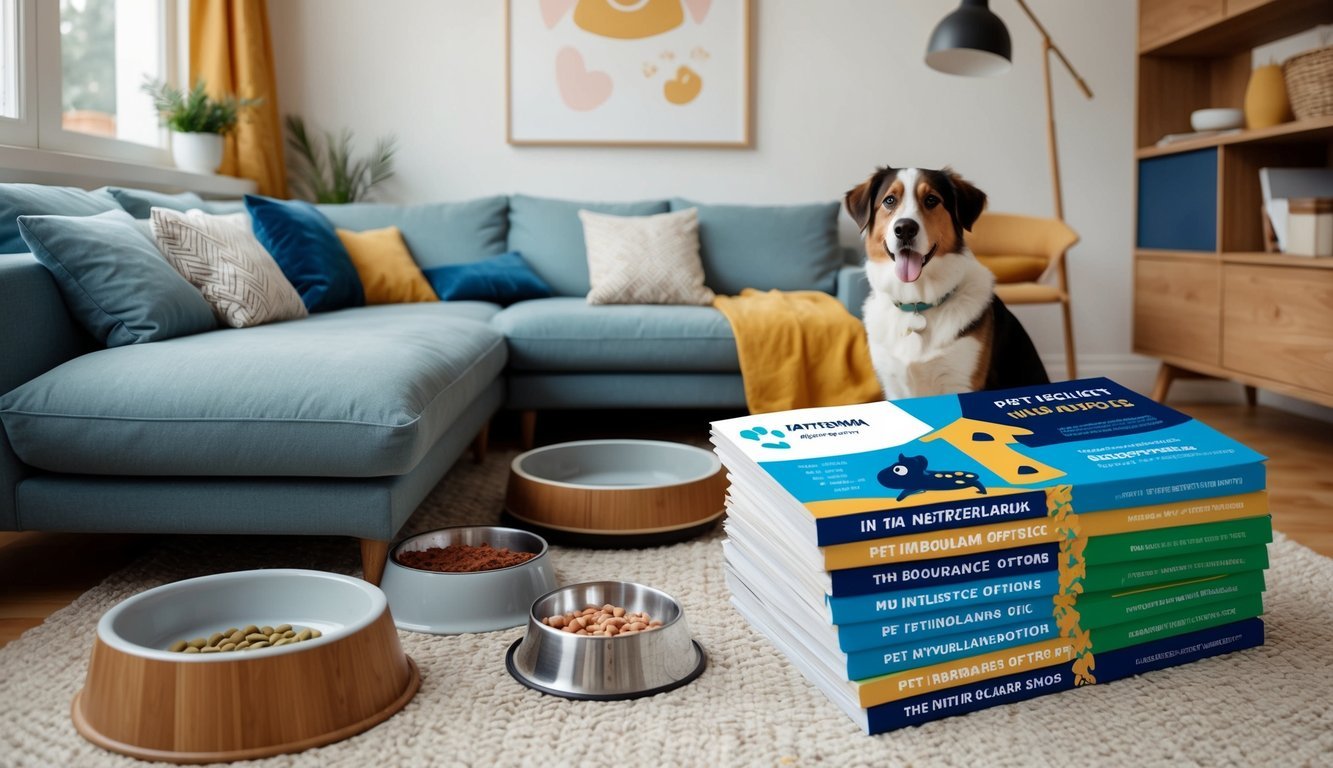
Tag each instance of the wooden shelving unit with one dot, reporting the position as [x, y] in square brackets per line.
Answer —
[1207, 300]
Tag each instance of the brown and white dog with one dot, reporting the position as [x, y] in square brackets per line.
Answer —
[932, 319]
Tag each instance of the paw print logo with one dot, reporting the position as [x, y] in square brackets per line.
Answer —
[774, 438]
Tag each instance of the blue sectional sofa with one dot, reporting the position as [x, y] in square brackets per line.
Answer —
[342, 422]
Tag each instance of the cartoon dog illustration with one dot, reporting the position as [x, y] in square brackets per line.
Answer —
[911, 476]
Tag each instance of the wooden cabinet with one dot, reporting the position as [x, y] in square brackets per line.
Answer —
[1278, 324]
[1207, 301]
[1177, 308]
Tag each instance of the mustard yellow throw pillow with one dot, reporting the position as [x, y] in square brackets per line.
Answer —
[385, 266]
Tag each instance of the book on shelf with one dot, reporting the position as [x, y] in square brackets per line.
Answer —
[847, 474]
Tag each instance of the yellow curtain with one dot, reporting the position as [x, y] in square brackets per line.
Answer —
[231, 50]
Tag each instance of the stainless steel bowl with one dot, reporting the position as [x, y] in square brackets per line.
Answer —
[606, 668]
[476, 601]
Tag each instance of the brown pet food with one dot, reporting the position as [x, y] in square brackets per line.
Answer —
[462, 558]
[607, 621]
[248, 639]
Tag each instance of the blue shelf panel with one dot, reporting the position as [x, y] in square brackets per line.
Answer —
[1177, 203]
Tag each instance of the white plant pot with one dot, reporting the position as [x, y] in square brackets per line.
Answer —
[197, 152]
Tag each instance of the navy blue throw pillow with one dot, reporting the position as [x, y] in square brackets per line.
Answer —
[309, 252]
[503, 279]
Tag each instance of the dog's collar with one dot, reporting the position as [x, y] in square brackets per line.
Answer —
[921, 306]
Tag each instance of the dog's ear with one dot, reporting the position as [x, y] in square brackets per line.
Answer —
[969, 201]
[860, 200]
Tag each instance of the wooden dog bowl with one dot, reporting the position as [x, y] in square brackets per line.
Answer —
[149, 703]
[616, 492]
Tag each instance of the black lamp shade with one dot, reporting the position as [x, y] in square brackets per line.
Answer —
[970, 41]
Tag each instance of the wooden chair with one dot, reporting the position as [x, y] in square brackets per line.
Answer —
[1027, 255]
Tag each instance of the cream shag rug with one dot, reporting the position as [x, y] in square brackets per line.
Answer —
[1264, 707]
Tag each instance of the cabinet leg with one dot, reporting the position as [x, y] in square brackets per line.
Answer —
[1251, 396]
[1165, 375]
[528, 429]
[374, 554]
[480, 443]
[1071, 362]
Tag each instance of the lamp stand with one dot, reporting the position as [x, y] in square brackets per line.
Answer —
[1048, 47]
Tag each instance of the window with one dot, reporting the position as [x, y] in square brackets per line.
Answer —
[107, 49]
[9, 59]
[72, 71]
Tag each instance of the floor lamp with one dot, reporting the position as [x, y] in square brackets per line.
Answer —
[973, 41]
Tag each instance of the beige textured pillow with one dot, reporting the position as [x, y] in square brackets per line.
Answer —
[645, 259]
[219, 255]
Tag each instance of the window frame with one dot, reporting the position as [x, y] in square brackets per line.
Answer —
[22, 129]
[49, 85]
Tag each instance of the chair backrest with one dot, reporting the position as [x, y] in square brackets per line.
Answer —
[1019, 248]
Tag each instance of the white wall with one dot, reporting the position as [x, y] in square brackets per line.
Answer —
[841, 87]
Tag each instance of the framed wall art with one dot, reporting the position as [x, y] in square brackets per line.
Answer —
[629, 72]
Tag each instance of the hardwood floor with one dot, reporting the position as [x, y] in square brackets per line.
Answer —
[43, 572]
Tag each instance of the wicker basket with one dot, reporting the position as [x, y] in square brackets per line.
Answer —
[1310, 83]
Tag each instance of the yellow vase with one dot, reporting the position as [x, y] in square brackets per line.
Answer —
[1266, 102]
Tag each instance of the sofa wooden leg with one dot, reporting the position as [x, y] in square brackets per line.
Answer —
[374, 554]
[1251, 396]
[528, 429]
[480, 443]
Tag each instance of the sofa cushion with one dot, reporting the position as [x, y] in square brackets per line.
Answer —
[220, 257]
[114, 280]
[550, 236]
[357, 393]
[309, 252]
[386, 269]
[435, 233]
[566, 334]
[787, 247]
[504, 279]
[40, 200]
[139, 203]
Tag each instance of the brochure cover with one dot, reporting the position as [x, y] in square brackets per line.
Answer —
[875, 470]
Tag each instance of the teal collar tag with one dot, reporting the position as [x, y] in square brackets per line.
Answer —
[922, 306]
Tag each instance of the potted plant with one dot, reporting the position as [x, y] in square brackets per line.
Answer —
[325, 171]
[197, 122]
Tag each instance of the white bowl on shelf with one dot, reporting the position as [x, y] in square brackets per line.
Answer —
[1216, 119]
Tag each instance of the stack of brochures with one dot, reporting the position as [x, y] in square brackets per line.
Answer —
[930, 557]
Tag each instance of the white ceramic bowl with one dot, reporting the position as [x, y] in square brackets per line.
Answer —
[1216, 119]
[477, 601]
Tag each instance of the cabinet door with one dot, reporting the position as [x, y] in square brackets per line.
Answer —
[1279, 324]
[1177, 308]
[1161, 19]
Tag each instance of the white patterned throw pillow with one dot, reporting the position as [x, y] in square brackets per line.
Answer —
[219, 255]
[644, 259]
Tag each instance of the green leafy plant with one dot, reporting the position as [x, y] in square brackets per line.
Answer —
[194, 111]
[323, 169]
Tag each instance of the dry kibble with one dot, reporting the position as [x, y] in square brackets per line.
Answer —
[606, 621]
[249, 638]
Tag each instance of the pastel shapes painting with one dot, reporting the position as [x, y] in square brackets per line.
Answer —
[628, 19]
[554, 10]
[582, 90]
[684, 87]
[698, 9]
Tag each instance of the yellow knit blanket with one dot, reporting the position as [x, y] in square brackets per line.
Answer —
[799, 349]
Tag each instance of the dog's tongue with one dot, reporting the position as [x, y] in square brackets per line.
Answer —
[908, 266]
